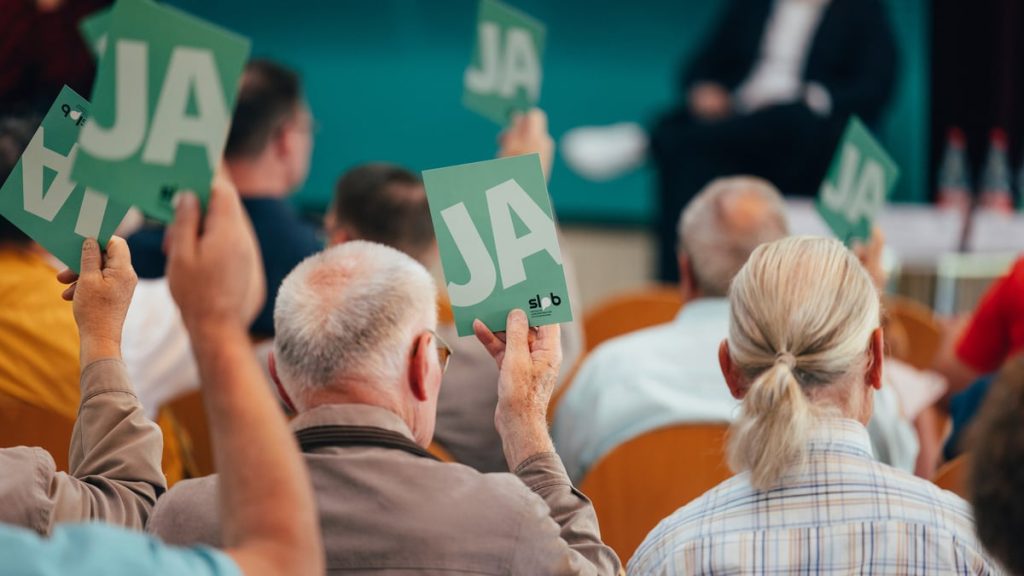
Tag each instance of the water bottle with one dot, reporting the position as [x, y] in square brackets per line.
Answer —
[954, 174]
[996, 190]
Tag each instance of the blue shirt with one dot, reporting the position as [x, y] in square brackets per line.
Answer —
[101, 549]
[285, 240]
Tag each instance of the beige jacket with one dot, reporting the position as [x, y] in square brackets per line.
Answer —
[385, 511]
[114, 462]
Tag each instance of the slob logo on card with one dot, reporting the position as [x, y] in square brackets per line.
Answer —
[544, 302]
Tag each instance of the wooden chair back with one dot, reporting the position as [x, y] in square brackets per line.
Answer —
[916, 332]
[649, 477]
[630, 312]
[952, 476]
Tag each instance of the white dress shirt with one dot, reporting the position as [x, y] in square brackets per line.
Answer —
[843, 513]
[669, 374]
[777, 76]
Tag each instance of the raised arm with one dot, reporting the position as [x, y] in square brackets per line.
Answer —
[528, 363]
[115, 453]
[268, 516]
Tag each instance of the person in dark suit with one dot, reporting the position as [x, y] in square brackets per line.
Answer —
[769, 95]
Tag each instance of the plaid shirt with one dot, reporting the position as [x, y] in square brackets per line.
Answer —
[843, 513]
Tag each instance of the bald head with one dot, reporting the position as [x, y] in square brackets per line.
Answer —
[347, 317]
[722, 226]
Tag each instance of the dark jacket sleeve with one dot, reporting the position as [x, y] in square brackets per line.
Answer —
[865, 88]
[724, 57]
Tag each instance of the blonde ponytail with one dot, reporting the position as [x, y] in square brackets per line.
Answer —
[771, 433]
[802, 311]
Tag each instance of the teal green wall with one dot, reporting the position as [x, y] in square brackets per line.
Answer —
[384, 79]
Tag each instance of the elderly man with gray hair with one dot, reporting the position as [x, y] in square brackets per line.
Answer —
[667, 374]
[357, 356]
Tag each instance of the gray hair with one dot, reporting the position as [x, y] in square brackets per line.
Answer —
[723, 224]
[802, 311]
[350, 312]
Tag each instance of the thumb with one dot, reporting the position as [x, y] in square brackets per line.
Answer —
[516, 333]
[91, 257]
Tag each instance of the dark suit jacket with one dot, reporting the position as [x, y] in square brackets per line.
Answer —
[853, 53]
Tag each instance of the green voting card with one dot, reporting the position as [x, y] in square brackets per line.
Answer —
[41, 199]
[860, 178]
[499, 248]
[505, 74]
[162, 104]
[94, 31]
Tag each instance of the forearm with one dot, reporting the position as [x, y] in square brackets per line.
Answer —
[523, 440]
[544, 474]
[255, 453]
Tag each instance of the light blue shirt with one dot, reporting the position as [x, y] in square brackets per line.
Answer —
[644, 380]
[100, 549]
[669, 374]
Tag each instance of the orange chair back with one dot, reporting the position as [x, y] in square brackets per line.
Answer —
[644, 480]
[26, 425]
[190, 415]
[441, 452]
[952, 476]
[914, 332]
[630, 312]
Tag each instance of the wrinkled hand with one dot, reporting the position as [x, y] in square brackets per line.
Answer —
[215, 275]
[870, 256]
[710, 101]
[528, 134]
[101, 294]
[527, 374]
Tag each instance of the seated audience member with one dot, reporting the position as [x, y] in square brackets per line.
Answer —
[115, 449]
[357, 355]
[39, 345]
[668, 374]
[388, 204]
[804, 354]
[269, 522]
[994, 333]
[769, 94]
[996, 479]
[267, 157]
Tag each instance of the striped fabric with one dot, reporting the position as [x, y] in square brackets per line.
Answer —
[843, 513]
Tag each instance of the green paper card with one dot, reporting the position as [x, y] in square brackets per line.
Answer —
[860, 178]
[162, 104]
[499, 247]
[40, 198]
[505, 73]
[94, 31]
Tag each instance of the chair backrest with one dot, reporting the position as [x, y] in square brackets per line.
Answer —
[920, 332]
[26, 425]
[190, 414]
[441, 452]
[952, 476]
[629, 312]
[644, 480]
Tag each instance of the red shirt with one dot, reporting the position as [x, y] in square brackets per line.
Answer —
[996, 332]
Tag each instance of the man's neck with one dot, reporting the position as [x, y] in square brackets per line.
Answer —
[255, 179]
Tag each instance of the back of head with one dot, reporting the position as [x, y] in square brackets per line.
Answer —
[387, 204]
[723, 224]
[15, 134]
[997, 478]
[348, 315]
[802, 314]
[269, 95]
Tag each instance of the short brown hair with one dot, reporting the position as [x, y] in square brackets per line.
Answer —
[387, 204]
[997, 467]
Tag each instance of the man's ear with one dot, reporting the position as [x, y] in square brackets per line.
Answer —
[733, 379]
[339, 235]
[272, 365]
[876, 349]
[419, 368]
